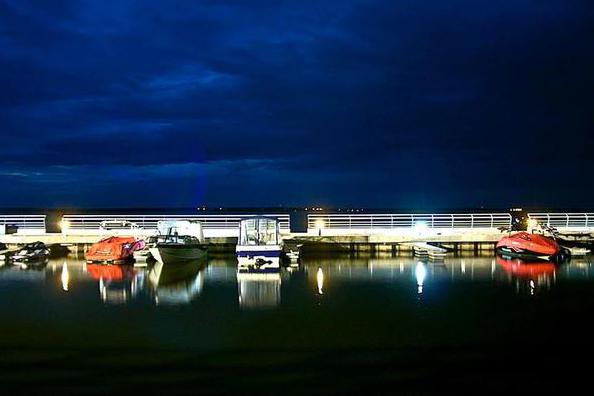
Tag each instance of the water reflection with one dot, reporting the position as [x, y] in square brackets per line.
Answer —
[115, 282]
[529, 276]
[259, 290]
[182, 284]
[420, 273]
[177, 283]
[320, 281]
[65, 277]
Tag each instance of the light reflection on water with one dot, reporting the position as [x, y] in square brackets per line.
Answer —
[182, 284]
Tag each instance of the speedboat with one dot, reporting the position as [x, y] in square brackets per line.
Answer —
[531, 246]
[114, 250]
[178, 241]
[36, 251]
[260, 246]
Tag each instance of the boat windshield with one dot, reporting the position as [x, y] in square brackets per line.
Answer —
[259, 231]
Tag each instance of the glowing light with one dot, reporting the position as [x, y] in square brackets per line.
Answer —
[65, 277]
[532, 224]
[532, 287]
[420, 227]
[320, 224]
[420, 273]
[64, 226]
[320, 279]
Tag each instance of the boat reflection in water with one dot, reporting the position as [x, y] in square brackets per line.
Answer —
[259, 290]
[177, 283]
[529, 276]
[117, 283]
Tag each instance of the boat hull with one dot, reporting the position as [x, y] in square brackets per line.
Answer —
[525, 245]
[258, 259]
[178, 253]
[113, 250]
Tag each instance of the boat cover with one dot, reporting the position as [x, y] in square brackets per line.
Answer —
[114, 248]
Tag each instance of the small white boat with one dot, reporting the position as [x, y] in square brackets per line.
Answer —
[178, 241]
[36, 251]
[259, 247]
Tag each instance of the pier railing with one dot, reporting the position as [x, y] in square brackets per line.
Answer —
[380, 223]
[212, 225]
[568, 221]
[25, 224]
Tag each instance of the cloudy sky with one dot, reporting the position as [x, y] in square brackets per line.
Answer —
[405, 104]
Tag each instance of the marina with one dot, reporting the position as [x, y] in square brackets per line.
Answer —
[204, 317]
[373, 232]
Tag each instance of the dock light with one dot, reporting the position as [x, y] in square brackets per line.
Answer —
[532, 224]
[420, 273]
[64, 226]
[65, 277]
[320, 279]
[320, 226]
[420, 226]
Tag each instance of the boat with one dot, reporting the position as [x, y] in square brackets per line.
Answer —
[32, 252]
[531, 246]
[259, 246]
[114, 250]
[178, 241]
[3, 252]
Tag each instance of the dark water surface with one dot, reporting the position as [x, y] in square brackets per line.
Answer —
[332, 325]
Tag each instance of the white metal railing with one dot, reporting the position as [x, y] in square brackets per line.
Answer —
[564, 220]
[24, 223]
[399, 221]
[149, 222]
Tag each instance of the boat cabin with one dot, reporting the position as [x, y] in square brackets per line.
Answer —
[178, 229]
[259, 231]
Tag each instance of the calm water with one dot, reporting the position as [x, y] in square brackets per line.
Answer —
[326, 316]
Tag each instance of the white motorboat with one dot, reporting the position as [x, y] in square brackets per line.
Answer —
[178, 241]
[259, 246]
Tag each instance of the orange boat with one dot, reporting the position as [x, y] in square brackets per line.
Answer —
[113, 250]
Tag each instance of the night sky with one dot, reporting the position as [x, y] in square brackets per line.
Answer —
[404, 104]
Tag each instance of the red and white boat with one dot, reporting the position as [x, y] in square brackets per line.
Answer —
[525, 245]
[114, 250]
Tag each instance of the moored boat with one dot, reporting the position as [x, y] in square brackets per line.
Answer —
[36, 251]
[525, 245]
[114, 250]
[259, 247]
[178, 241]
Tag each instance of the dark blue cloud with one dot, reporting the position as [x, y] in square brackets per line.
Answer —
[366, 103]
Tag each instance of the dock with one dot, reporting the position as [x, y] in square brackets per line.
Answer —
[427, 234]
